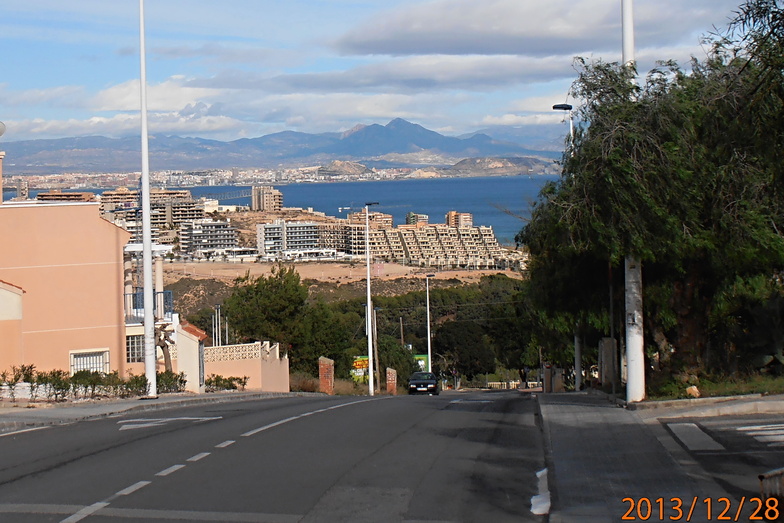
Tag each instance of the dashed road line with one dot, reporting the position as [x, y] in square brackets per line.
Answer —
[133, 488]
[173, 468]
[144, 423]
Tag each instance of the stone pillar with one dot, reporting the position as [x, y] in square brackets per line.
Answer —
[391, 381]
[326, 376]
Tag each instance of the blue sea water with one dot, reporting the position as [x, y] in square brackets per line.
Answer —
[502, 202]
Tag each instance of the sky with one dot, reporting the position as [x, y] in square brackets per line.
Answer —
[245, 68]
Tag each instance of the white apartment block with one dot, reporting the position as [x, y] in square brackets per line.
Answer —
[207, 237]
[281, 236]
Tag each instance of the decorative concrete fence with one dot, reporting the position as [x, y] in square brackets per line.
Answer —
[265, 367]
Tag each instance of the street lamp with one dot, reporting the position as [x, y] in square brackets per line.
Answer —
[567, 107]
[369, 308]
[150, 350]
[427, 306]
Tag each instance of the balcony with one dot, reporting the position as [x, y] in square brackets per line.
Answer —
[163, 306]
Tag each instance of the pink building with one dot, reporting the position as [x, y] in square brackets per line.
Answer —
[61, 288]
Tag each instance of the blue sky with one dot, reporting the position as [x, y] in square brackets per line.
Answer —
[246, 68]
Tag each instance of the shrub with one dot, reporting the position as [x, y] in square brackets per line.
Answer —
[135, 385]
[216, 382]
[168, 381]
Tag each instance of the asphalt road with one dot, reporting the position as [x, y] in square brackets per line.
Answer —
[734, 450]
[454, 457]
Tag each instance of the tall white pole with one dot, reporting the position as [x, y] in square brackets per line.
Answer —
[635, 346]
[369, 309]
[427, 306]
[150, 356]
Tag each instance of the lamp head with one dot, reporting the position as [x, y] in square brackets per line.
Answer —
[562, 107]
[2, 128]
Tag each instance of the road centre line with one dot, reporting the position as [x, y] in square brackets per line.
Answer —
[303, 415]
[87, 511]
[133, 488]
[198, 457]
[173, 468]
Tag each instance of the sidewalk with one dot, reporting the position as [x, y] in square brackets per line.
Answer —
[599, 453]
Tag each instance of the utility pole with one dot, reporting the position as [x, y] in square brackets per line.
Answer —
[635, 354]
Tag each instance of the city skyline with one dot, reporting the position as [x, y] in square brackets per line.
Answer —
[248, 69]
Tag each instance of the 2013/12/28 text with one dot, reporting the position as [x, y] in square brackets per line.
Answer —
[721, 509]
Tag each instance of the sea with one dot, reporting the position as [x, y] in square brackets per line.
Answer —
[501, 202]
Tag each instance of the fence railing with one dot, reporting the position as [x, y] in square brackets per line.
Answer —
[163, 306]
[772, 484]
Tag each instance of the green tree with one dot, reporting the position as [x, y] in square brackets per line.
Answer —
[466, 344]
[267, 307]
[680, 171]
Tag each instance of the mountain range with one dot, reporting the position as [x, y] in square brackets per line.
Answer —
[397, 144]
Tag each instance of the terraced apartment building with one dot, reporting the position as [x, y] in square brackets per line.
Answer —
[420, 244]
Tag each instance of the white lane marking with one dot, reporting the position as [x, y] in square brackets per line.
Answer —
[224, 444]
[540, 504]
[693, 437]
[199, 456]
[173, 468]
[298, 416]
[21, 431]
[86, 511]
[143, 423]
[133, 488]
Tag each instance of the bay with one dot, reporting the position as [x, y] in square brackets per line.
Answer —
[501, 202]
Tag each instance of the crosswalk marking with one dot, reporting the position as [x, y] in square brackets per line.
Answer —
[772, 435]
[693, 437]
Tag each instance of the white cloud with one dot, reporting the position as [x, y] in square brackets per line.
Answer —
[169, 95]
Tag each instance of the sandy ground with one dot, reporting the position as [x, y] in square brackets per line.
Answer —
[320, 271]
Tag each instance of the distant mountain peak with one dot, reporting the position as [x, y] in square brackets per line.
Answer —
[353, 130]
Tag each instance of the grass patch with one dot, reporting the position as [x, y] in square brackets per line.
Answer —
[719, 386]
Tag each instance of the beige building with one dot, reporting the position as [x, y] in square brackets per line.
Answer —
[266, 198]
[61, 292]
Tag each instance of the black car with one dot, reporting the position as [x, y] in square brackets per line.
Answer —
[423, 383]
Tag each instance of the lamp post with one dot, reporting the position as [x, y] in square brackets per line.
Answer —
[150, 350]
[427, 306]
[369, 308]
[567, 107]
[635, 353]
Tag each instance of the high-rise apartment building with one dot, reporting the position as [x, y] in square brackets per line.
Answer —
[207, 237]
[266, 198]
[459, 219]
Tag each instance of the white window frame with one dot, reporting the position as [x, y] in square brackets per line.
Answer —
[99, 364]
